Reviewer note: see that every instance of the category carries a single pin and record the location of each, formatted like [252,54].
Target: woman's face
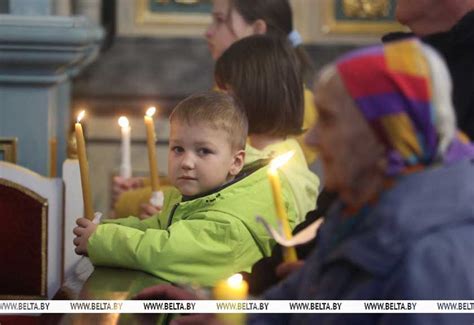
[227,27]
[348,147]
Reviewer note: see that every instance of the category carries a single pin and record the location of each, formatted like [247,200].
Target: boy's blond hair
[217,110]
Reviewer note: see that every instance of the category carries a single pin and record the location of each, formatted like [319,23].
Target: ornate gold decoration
[71,146]
[175,20]
[44,238]
[8,149]
[366,8]
[371,17]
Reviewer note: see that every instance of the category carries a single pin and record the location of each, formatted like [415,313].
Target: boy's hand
[147,210]
[85,228]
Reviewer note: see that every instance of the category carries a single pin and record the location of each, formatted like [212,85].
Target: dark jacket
[416,243]
[263,274]
[457,48]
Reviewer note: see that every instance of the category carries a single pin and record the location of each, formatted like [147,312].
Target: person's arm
[172,196]
[134,222]
[202,248]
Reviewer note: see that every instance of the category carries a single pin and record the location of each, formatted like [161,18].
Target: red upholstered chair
[31,233]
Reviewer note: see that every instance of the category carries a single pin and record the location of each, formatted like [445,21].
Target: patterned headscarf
[403,90]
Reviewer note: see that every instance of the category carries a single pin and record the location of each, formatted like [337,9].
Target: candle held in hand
[289,253]
[150,139]
[125,164]
[84,168]
[233,288]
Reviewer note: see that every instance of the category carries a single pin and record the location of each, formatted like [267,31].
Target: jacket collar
[419,204]
[246,171]
[461,34]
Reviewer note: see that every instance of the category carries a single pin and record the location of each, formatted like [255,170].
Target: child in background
[269,87]
[206,230]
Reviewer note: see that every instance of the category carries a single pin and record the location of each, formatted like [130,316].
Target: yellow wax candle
[233,288]
[289,253]
[84,168]
[53,156]
[150,139]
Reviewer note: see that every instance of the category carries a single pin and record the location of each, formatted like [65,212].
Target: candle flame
[123,122]
[279,161]
[80,116]
[151,111]
[235,281]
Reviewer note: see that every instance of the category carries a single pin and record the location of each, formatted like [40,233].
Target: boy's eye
[219,19]
[177,149]
[204,151]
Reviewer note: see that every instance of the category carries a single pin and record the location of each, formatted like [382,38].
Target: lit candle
[233,288]
[125,165]
[289,253]
[53,156]
[84,168]
[150,139]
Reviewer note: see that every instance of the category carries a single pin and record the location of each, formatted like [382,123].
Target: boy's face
[201,158]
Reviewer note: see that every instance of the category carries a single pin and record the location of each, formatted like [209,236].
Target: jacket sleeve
[158,221]
[134,222]
[203,248]
[437,267]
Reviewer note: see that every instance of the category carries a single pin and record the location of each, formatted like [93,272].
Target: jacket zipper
[170,218]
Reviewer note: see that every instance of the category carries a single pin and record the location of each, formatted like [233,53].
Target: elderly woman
[403,225]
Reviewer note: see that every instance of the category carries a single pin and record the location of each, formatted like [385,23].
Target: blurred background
[118,57]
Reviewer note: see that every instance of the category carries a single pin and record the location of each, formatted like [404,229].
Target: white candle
[126,164]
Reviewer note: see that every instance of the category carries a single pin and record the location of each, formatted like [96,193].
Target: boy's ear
[238,163]
[260,27]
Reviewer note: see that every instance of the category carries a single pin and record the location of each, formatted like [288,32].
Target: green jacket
[209,238]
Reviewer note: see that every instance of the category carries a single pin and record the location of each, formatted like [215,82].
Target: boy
[206,231]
